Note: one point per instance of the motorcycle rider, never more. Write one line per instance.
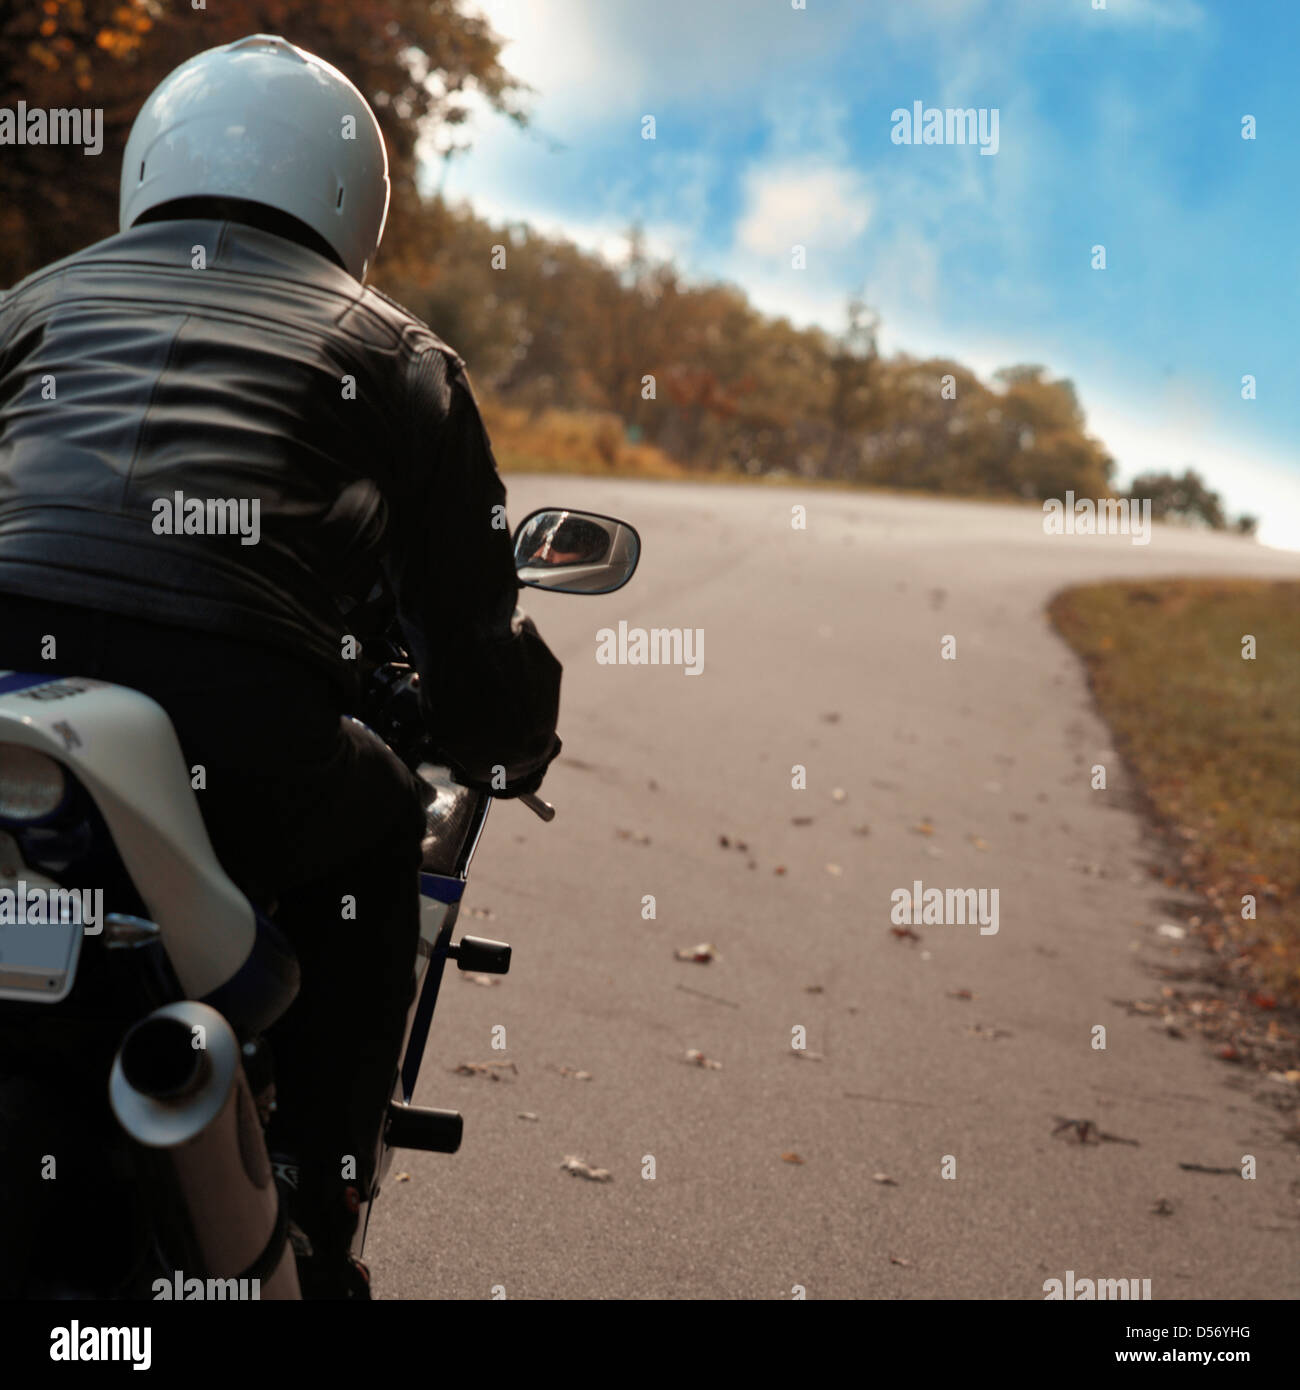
(221, 358)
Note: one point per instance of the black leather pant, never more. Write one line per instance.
(301, 806)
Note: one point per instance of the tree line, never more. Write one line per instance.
(691, 368)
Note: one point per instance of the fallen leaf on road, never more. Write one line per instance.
(807, 1056)
(898, 1260)
(978, 1030)
(701, 954)
(924, 827)
(636, 836)
(485, 913)
(961, 994)
(862, 830)
(1201, 1168)
(832, 718)
(700, 1060)
(839, 794)
(724, 842)
(834, 870)
(487, 981)
(1086, 1132)
(978, 842)
(821, 989)
(573, 1072)
(526, 1115)
(884, 1179)
(905, 933)
(1163, 1207)
(801, 820)
(584, 1170)
(780, 869)
(492, 1070)
(791, 1158)
(402, 1177)
(1170, 930)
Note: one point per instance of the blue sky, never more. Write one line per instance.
(1118, 126)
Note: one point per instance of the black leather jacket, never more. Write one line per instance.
(260, 373)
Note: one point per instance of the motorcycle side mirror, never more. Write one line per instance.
(575, 552)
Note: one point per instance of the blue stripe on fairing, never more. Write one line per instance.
(443, 890)
(13, 681)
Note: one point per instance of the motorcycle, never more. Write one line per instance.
(136, 1081)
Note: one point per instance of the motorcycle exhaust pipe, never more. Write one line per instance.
(178, 1089)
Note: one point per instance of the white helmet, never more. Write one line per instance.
(263, 120)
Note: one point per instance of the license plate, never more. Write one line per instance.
(38, 962)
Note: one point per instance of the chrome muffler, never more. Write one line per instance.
(178, 1089)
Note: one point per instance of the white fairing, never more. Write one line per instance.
(121, 746)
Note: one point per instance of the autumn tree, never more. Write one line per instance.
(415, 60)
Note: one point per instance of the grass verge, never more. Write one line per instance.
(1215, 741)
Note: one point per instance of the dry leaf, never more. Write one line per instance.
(701, 954)
(791, 1158)
(700, 1060)
(905, 933)
(923, 827)
(526, 1115)
(801, 820)
(492, 1070)
(898, 1260)
(961, 994)
(486, 980)
(401, 1177)
(884, 1179)
(1163, 1207)
(834, 870)
(839, 794)
(573, 1072)
(584, 1170)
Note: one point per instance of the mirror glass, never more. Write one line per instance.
(575, 552)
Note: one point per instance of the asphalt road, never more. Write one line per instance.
(822, 648)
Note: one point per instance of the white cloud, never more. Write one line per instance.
(820, 207)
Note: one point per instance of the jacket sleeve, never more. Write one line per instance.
(490, 686)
